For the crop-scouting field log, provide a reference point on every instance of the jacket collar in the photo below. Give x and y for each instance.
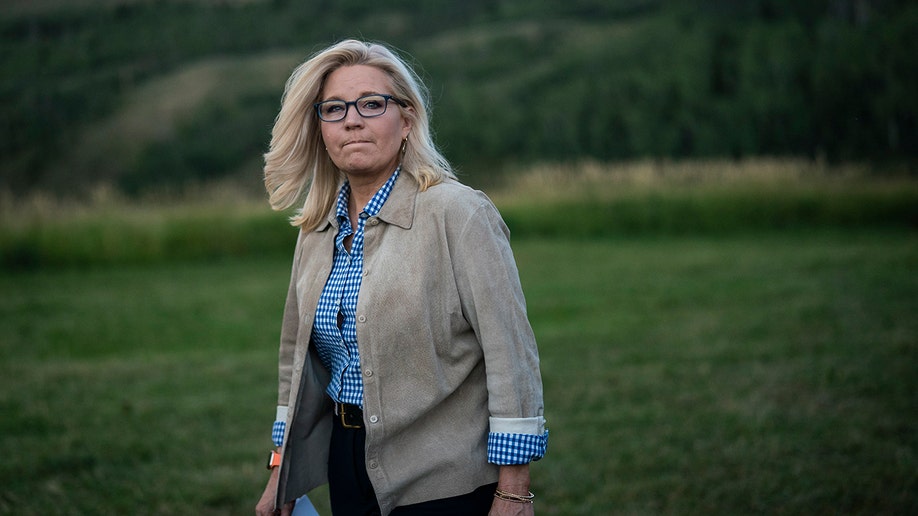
(398, 209)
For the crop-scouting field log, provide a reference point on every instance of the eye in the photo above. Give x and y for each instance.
(373, 103)
(330, 108)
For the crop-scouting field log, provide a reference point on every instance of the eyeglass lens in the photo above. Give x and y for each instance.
(367, 107)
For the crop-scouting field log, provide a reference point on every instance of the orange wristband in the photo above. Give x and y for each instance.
(274, 460)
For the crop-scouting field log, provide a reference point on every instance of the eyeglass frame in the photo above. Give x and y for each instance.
(348, 104)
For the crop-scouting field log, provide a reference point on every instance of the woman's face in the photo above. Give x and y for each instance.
(363, 147)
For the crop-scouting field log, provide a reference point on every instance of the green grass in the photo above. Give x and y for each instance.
(733, 376)
(760, 373)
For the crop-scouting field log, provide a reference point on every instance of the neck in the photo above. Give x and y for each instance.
(363, 188)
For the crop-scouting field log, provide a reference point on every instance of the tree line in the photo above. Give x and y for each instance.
(513, 81)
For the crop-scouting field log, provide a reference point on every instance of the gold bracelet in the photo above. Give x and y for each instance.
(511, 497)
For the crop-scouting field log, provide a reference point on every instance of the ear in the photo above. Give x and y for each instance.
(406, 122)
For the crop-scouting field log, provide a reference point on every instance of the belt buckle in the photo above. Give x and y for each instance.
(342, 411)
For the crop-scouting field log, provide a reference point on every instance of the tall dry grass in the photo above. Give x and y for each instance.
(210, 221)
(608, 181)
(584, 200)
(589, 199)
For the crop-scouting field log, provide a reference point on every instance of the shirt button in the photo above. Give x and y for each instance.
(374, 419)
(362, 318)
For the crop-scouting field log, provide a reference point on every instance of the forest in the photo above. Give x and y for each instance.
(139, 94)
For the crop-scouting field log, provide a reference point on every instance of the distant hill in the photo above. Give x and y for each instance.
(140, 94)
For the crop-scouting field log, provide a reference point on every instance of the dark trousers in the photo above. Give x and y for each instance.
(352, 494)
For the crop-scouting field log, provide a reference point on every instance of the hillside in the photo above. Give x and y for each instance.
(140, 94)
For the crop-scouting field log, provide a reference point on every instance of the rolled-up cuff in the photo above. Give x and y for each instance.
(511, 449)
(518, 425)
(280, 426)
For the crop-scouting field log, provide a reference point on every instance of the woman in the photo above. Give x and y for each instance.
(422, 394)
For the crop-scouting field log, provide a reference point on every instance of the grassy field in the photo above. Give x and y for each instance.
(760, 373)
(717, 337)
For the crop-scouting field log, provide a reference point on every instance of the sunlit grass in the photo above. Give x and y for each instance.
(588, 200)
(591, 200)
(610, 181)
(223, 221)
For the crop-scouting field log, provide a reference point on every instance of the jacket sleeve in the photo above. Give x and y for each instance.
(288, 336)
(493, 303)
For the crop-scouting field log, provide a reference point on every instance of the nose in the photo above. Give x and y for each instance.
(352, 117)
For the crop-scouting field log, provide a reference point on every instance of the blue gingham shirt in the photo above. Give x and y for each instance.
(337, 345)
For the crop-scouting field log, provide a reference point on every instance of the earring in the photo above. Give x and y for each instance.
(404, 145)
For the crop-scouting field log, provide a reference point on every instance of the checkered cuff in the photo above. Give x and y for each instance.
(277, 433)
(508, 449)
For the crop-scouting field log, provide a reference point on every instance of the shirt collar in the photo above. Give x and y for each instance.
(376, 203)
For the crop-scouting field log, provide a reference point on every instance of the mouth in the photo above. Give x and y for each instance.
(354, 142)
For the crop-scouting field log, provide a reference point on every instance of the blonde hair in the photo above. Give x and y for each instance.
(296, 161)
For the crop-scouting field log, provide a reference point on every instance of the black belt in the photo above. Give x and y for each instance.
(349, 415)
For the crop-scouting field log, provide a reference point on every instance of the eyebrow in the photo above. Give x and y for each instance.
(362, 94)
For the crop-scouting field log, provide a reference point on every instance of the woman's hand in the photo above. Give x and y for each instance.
(505, 508)
(265, 506)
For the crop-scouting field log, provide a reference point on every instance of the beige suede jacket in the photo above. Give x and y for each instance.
(446, 349)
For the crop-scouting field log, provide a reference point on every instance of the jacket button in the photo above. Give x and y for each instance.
(374, 419)
(374, 221)
(362, 318)
(368, 372)
(373, 464)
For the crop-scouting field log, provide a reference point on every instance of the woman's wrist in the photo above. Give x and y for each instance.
(514, 479)
(513, 497)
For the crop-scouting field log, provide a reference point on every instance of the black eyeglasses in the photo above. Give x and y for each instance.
(368, 106)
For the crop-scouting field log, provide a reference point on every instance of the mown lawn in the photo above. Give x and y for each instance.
(761, 373)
